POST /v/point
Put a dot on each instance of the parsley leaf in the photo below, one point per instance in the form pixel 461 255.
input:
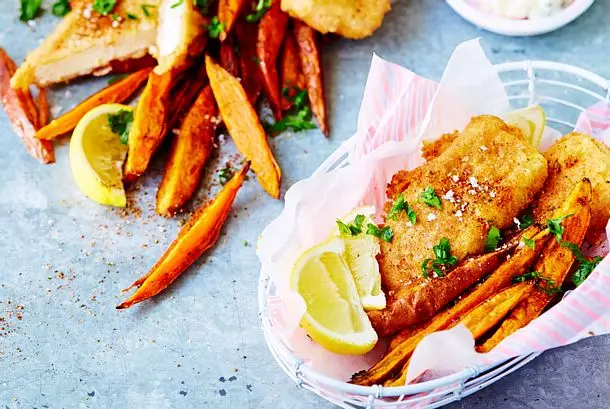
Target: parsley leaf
pixel 146 9
pixel 259 11
pixel 430 198
pixel 117 78
pixel 176 4
pixel 203 6
pixel 60 8
pixel 215 28
pixel 443 257
pixel 120 123
pixel 398 206
pixel 556 228
pixel 225 174
pixel 493 238
pixel 29 9
pixel 132 16
pixel 529 243
pixel 549 286
pixel 585 266
pixel 386 234
pixel 104 7
pixel 299 117
pixel 526 221
pixel 351 229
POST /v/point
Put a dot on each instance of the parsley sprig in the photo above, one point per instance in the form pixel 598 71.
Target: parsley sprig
pixel 299 117
pixel 398 206
pixel 259 11
pixel 493 238
pixel 385 233
pixel 60 8
pixel 545 284
pixel 429 197
pixel 104 7
pixel 531 243
pixel 351 229
pixel 442 257
pixel 120 124
pixel 29 9
pixel 526 221
pixel 215 28
pixel 585 266
pixel 556 228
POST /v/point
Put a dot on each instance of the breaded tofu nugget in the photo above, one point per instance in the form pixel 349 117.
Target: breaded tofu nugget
pixel 570 159
pixel 484 178
pixel 348 18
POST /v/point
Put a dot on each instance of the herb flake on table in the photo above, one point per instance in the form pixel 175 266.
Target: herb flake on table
pixel 585 265
pixel 442 258
pixel 60 8
pixel 493 239
pixel 104 7
pixel 556 228
pixel 259 11
pixel 29 9
pixel 225 174
pixel 120 124
pixel 430 198
pixel 385 233
pixel 398 206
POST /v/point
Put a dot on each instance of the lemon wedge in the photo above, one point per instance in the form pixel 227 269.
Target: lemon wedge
pixel 530 120
pixel 97 156
pixel 360 255
pixel 334 318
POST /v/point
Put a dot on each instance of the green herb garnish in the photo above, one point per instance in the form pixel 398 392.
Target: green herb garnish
pixel 585 266
pixel 225 174
pixel 556 228
pixel 442 257
pixel 398 206
pixel 203 6
pixel 104 7
pixel 177 4
pixel 493 238
pixel 146 9
pixel 215 28
pixel 529 243
pixel 120 124
pixel 132 16
pixel 526 221
pixel 299 117
pixel 385 233
pixel 60 8
pixel 29 9
pixel 117 78
pixel 429 197
pixel 351 229
pixel 549 286
pixel 259 11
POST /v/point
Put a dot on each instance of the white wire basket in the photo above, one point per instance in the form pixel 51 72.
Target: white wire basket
pixel 564 91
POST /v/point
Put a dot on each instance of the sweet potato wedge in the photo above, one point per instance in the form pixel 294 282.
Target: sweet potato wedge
pixel 553 265
pixel 118 92
pixel 291 72
pixel 184 94
pixel 190 151
pixel 312 70
pixel 22 112
pixel 251 77
pixel 518 264
pixel 424 298
pixel 244 126
pixel 43 107
pixel 228 57
pixel 271 33
pixel 228 13
pixel 150 124
pixel 198 235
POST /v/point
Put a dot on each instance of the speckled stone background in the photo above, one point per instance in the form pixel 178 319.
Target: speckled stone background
pixel 65 259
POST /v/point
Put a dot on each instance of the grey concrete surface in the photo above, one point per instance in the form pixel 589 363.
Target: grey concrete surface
pixel 64 259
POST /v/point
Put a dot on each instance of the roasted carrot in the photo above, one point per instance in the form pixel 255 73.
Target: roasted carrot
pixel 43 107
pixel 312 70
pixel 21 111
pixel 228 12
pixel 198 235
pixel 291 72
pixel 150 123
pixel 118 92
pixel 271 33
pixel 190 151
pixel 244 126
pixel 251 77
pixel 185 92
pixel 228 57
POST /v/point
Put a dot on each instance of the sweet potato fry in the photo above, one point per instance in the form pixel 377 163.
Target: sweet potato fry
pixel 228 12
pixel 43 107
pixel 251 77
pixel 271 33
pixel 312 70
pixel 190 151
pixel 184 94
pixel 198 235
pixel 553 265
pixel 118 92
pixel 22 112
pixel 291 72
pixel 424 298
pixel 228 57
pixel 150 124
pixel 498 280
pixel 244 126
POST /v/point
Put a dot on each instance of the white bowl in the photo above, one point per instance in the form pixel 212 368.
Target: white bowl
pixel 519 28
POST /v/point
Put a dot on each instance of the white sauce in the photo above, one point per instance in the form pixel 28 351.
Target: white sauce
pixel 524 9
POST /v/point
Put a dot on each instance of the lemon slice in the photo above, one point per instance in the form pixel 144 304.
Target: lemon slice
pixel 97 156
pixel 334 318
pixel 530 120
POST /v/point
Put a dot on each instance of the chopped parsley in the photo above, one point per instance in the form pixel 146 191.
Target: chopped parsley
pixel 215 28
pixel 132 16
pixel 398 206
pixel 526 221
pixel 104 7
pixel 549 286
pixel 146 9
pixel 299 117
pixel 429 197
pixel 442 257
pixel 385 233
pixel 351 229
pixel 177 4
pixel 556 228
pixel 493 238
pixel 203 6
pixel 585 266
pixel 60 8
pixel 117 78
pixel 225 174
pixel 29 9
pixel 529 243
pixel 120 123
pixel 259 11
pixel 245 243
